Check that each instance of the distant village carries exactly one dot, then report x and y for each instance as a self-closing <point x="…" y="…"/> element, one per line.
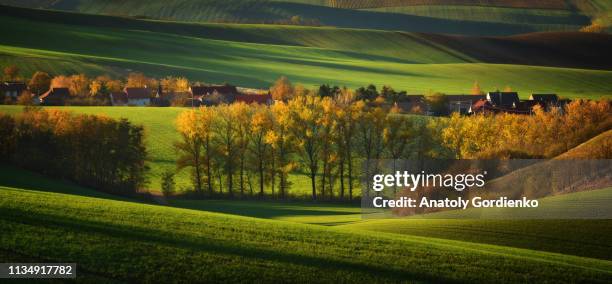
<point x="210" y="95"/>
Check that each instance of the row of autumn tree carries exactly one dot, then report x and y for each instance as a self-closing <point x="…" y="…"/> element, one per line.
<point x="93" y="151"/>
<point x="86" y="90"/>
<point x="250" y="150"/>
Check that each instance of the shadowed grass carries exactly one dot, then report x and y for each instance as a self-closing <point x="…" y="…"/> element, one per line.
<point x="129" y="241"/>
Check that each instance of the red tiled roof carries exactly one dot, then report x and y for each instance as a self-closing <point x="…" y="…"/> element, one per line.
<point x="209" y="90"/>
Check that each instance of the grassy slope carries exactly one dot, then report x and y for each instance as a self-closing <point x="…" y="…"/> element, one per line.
<point x="542" y="18"/>
<point x="130" y="241"/>
<point x="589" y="238"/>
<point x="324" y="55"/>
<point x="446" y="19"/>
<point x="501" y="226"/>
<point x="594" y="148"/>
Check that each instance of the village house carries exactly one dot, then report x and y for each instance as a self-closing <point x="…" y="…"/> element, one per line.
<point x="12" y="89"/>
<point x="462" y="103"/>
<point x="509" y="102"/>
<point x="162" y="99"/>
<point x="487" y="107"/>
<point x="138" y="96"/>
<point x="118" y="98"/>
<point x="213" y="94"/>
<point x="503" y="100"/>
<point x="548" y="101"/>
<point x="498" y="102"/>
<point x="544" y="98"/>
<point x="55" y="97"/>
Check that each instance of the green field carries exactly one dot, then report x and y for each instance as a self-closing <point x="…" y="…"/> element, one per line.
<point x="439" y="17"/>
<point x="542" y="19"/>
<point x="547" y="227"/>
<point x="128" y="241"/>
<point x="256" y="55"/>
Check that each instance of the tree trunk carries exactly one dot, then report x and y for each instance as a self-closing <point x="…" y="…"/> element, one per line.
<point x="349" y="160"/>
<point x="261" y="177"/>
<point x="198" y="174"/>
<point x="323" y="178"/>
<point x="313" y="182"/>
<point x="342" y="179"/>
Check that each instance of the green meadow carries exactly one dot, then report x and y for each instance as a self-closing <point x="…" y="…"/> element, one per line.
<point x="437" y="17"/>
<point x="123" y="240"/>
<point x="256" y="55"/>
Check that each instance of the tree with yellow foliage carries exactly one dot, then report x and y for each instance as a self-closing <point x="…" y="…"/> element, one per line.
<point x="329" y="153"/>
<point x="282" y="90"/>
<point x="476" y="90"/>
<point x="227" y="138"/>
<point x="138" y="80"/>
<point x="190" y="147"/>
<point x="242" y="120"/>
<point x="348" y="113"/>
<point x="79" y="84"/>
<point x="261" y="124"/>
<point x="61" y="81"/>
<point x="307" y="115"/>
<point x="282" y="146"/>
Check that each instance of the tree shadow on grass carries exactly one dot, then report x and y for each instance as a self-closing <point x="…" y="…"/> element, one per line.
<point x="11" y="176"/>
<point x="215" y="246"/>
<point x="266" y="209"/>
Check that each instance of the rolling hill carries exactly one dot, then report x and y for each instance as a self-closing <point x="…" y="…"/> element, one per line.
<point x="598" y="147"/>
<point x="127" y="241"/>
<point x="499" y="17"/>
<point x="256" y="55"/>
<point x="566" y="233"/>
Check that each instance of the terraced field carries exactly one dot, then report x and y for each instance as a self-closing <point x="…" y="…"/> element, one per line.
<point x="127" y="241"/>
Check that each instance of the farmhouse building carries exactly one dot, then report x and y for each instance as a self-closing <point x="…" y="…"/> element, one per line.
<point x="544" y="98"/>
<point x="54" y="97"/>
<point x="481" y="106"/>
<point x="462" y="103"/>
<point x="118" y="98"/>
<point x="224" y="93"/>
<point x="11" y="89"/>
<point x="503" y="100"/>
<point x="547" y="101"/>
<point x="508" y="102"/>
<point x="138" y="96"/>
